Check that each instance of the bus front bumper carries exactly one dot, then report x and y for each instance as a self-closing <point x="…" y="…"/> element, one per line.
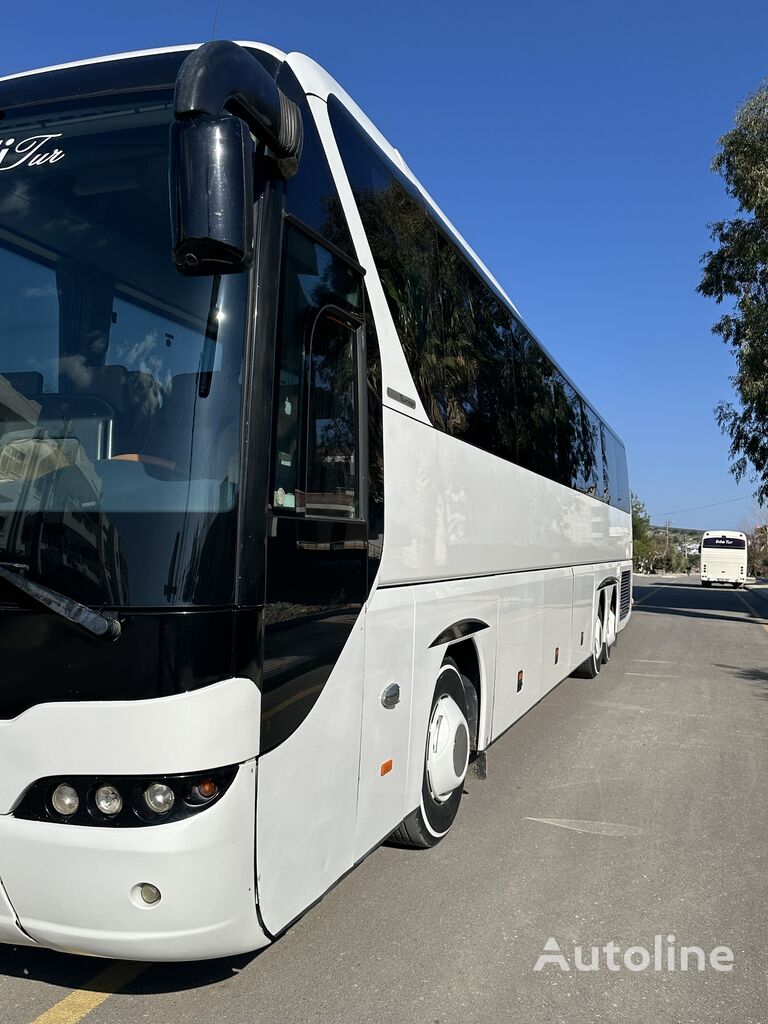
<point x="77" y="888"/>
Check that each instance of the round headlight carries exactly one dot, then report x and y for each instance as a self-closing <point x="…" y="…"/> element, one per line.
<point x="65" y="800"/>
<point x="159" y="798"/>
<point x="108" y="800"/>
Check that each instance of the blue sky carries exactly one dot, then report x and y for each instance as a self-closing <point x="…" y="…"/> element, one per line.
<point x="569" y="143"/>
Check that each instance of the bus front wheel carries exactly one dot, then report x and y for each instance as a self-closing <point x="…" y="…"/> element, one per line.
<point x="445" y="764"/>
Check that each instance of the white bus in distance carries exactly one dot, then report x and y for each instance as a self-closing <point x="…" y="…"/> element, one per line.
<point x="723" y="557"/>
<point x="296" y="514"/>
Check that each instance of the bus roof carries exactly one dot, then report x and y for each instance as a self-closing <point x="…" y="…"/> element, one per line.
<point x="724" y="533"/>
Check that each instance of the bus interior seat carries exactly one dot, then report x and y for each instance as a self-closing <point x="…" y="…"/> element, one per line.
<point x="170" y="429"/>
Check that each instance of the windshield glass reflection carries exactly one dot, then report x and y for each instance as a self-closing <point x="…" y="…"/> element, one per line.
<point x="120" y="380"/>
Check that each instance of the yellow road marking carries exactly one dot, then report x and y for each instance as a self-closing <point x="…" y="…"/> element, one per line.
<point x="82" y="1001"/>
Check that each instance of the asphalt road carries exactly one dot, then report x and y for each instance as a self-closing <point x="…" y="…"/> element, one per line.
<point x="618" y="809"/>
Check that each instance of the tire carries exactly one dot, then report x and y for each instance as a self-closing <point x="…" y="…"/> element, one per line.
<point x="610" y="631"/>
<point x="590" y="668"/>
<point x="432" y="819"/>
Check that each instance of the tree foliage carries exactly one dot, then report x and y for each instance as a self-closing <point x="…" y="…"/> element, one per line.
<point x="643" y="548"/>
<point x="738" y="269"/>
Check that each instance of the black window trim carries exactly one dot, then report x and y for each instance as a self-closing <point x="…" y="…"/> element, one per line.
<point x="357" y="325"/>
<point x="316" y="236"/>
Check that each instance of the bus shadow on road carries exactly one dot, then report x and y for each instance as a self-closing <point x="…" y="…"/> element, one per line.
<point x="757" y="676"/>
<point x="695" y="613"/>
<point x="70" y="972"/>
<point x="697" y="602"/>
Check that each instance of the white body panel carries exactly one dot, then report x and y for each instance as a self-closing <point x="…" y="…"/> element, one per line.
<point x="70" y="887"/>
<point x="10" y="930"/>
<point x="207" y="728"/>
<point x="307" y="797"/>
<point x="386" y="732"/>
<point x="455" y="511"/>
<point x="726" y="564"/>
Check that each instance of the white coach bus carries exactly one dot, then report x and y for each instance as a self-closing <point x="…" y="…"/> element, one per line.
<point x="723" y="557"/>
<point x="296" y="514"/>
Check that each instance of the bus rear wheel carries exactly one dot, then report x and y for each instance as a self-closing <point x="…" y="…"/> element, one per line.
<point x="610" y="637"/>
<point x="446" y="759"/>
<point x="590" y="668"/>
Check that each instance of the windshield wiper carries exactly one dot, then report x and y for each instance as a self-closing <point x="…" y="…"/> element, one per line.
<point x="98" y="625"/>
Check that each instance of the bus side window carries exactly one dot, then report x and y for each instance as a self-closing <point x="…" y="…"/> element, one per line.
<point x="593" y="453"/>
<point x="332" y="449"/>
<point x="316" y="362"/>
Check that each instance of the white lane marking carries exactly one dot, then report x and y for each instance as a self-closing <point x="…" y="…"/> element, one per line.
<point x="587" y="782"/>
<point x="596" y="828"/>
<point x="618" y="707"/>
<point x="650" y="675"/>
<point x="651" y="661"/>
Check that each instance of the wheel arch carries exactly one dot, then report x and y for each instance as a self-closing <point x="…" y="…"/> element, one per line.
<point x="467" y="657"/>
<point x="601" y="590"/>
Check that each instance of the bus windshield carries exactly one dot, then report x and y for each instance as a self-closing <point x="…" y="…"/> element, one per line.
<point x="120" y="380"/>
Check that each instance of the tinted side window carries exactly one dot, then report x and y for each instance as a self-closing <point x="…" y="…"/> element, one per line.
<point x="536" y="447"/>
<point x="621" y="497"/>
<point x="332" y="485"/>
<point x="591" y="426"/>
<point x="610" y="466"/>
<point x="494" y="425"/>
<point x="479" y="372"/>
<point x="404" y="244"/>
<point x="311" y="195"/>
<point x="313" y="278"/>
<point x="568" y="427"/>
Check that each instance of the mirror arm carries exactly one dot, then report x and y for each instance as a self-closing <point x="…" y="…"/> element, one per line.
<point x="221" y="75"/>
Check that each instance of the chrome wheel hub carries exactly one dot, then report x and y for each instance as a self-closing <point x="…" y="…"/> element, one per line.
<point x="447" y="749"/>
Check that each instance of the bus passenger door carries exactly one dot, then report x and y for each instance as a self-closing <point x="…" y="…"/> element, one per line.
<point x="313" y="637"/>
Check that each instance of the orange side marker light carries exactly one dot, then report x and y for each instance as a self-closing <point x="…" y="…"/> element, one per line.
<point x="386" y="767"/>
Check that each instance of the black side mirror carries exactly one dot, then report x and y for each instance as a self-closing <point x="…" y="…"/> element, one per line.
<point x="211" y="183"/>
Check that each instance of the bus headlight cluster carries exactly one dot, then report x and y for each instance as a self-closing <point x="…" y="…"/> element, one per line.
<point x="125" y="801"/>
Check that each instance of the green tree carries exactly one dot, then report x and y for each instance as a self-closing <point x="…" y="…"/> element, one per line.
<point x="738" y="268"/>
<point x="643" y="546"/>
